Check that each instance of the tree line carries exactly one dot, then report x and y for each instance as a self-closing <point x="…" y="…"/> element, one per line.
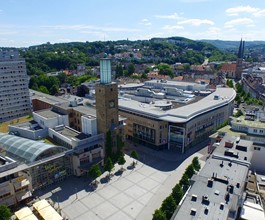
<point x="55" y="57"/>
<point x="170" y="203"/>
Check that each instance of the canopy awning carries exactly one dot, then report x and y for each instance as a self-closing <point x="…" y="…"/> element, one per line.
<point x="41" y="204"/>
<point x="49" y="213"/>
<point x="23" y="213"/>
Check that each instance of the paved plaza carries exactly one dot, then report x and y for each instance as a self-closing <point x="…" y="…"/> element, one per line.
<point x="134" y="194"/>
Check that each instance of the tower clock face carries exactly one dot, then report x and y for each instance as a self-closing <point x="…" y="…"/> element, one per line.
<point x="111" y="104"/>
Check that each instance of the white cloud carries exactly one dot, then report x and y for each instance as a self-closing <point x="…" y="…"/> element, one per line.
<point x="241" y="9"/>
<point x="100" y="35"/>
<point x="8" y="32"/>
<point x="238" y="22"/>
<point x="196" y="22"/>
<point x="172" y="27"/>
<point x="174" y="16"/>
<point x="259" y="13"/>
<point x="145" y="22"/>
<point x="89" y="27"/>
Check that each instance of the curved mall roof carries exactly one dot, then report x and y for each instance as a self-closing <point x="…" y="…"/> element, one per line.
<point x="26" y="150"/>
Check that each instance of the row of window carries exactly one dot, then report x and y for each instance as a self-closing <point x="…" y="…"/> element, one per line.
<point x="11" y="66"/>
<point x="256" y="131"/>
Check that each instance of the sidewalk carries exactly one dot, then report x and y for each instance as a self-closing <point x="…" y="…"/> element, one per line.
<point x="133" y="195"/>
<point x="166" y="188"/>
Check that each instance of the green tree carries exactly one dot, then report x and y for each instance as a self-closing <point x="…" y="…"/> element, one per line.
<point x="159" y="215"/>
<point x="120" y="145"/>
<point x="5" y="213"/>
<point x="94" y="171"/>
<point x="144" y="76"/>
<point x="165" y="69"/>
<point x="186" y="67"/>
<point x="147" y="70"/>
<point x="177" y="193"/>
<point x="168" y="206"/>
<point x="43" y="89"/>
<point x="238" y="113"/>
<point x="54" y="89"/>
<point x="119" y="70"/>
<point x="134" y="154"/>
<point x="229" y="83"/>
<point x="108" y="165"/>
<point x="121" y="160"/>
<point x="196" y="164"/>
<point x="62" y="77"/>
<point x="190" y="171"/>
<point x="184" y="181"/>
<point x="239" y="87"/>
<point x="131" y="69"/>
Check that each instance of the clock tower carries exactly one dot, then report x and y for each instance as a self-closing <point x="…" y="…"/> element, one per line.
<point x="107" y="101"/>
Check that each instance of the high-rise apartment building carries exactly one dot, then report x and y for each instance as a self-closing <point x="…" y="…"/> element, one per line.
<point x="14" y="92"/>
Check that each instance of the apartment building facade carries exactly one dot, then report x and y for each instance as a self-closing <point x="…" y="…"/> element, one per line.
<point x="14" y="93"/>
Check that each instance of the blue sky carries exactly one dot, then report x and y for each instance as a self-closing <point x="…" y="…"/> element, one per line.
<point x="32" y="22"/>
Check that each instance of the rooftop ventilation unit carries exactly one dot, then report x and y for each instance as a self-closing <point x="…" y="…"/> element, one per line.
<point x="193" y="211"/>
<point x="205" y="199"/>
<point x="210" y="183"/>
<point x="193" y="197"/>
<point x="217" y="192"/>
<point x="216" y="97"/>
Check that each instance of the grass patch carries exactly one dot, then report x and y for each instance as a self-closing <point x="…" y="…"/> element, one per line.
<point x="48" y="140"/>
<point x="4" y="125"/>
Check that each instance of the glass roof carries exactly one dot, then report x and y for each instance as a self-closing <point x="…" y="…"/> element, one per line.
<point x="26" y="150"/>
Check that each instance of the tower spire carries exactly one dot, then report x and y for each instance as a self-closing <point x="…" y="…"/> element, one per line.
<point x="241" y="49"/>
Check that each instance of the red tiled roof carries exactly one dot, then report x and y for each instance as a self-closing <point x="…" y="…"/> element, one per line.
<point x="229" y="67"/>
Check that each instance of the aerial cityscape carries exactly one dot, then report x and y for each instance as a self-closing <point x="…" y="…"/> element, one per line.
<point x="141" y="110"/>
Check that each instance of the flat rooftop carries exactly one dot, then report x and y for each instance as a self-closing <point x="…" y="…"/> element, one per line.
<point x="255" y="124"/>
<point x="130" y="85"/>
<point x="174" y="83"/>
<point x="183" y="113"/>
<point x="243" y="150"/>
<point x="29" y="125"/>
<point x="48" y="113"/>
<point x="227" y="129"/>
<point x="216" y="191"/>
<point x="71" y="133"/>
<point x="47" y="98"/>
<point x="86" y="110"/>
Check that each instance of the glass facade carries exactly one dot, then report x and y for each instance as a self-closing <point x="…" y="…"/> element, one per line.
<point x="176" y="138"/>
<point x="44" y="174"/>
<point x="105" y="71"/>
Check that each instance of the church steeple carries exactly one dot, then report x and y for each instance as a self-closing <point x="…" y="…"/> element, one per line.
<point x="239" y="61"/>
<point x="241" y="49"/>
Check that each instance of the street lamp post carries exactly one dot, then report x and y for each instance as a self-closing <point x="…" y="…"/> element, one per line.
<point x="76" y="193"/>
<point x="58" y="202"/>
